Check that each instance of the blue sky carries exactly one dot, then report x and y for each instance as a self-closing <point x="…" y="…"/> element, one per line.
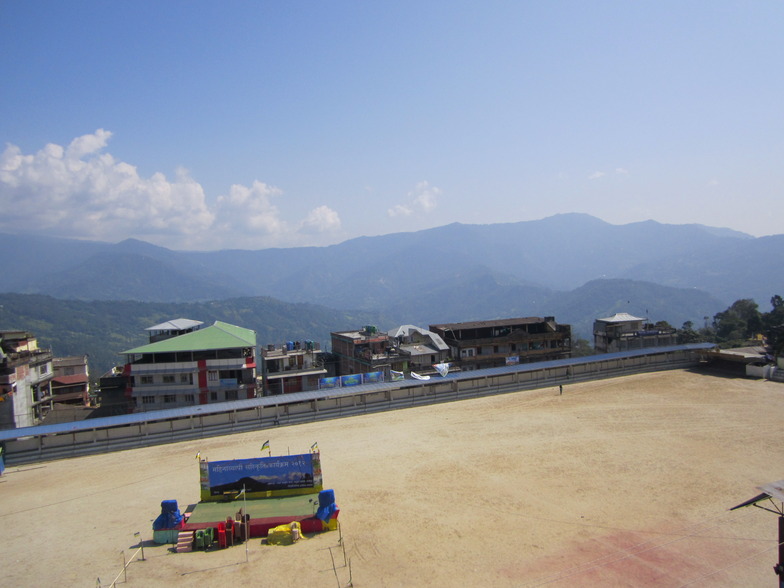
<point x="209" y="125"/>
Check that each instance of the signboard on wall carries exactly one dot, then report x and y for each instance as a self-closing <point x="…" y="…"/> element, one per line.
<point x="333" y="382"/>
<point x="261" y="477"/>
<point x="350" y="380"/>
<point x="372" y="377"/>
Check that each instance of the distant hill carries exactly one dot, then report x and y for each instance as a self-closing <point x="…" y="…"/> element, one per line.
<point x="103" y="329"/>
<point x="562" y="252"/>
<point x="87" y="296"/>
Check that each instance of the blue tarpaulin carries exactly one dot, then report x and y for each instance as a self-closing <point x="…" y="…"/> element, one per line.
<point x="170" y="517"/>
<point x="327" y="505"/>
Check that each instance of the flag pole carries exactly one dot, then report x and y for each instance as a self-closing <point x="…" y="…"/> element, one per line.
<point x="245" y="525"/>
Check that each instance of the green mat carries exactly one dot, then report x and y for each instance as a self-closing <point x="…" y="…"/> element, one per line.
<point x="266" y="508"/>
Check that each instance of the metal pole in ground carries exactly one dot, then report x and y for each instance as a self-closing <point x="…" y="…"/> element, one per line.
<point x="141" y="543"/>
<point x="246" y="526"/>
<point x="779" y="569"/>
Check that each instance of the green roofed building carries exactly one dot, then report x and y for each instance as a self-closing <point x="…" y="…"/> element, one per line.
<point x="185" y="364"/>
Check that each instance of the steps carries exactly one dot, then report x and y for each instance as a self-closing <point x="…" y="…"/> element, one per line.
<point x="184" y="542"/>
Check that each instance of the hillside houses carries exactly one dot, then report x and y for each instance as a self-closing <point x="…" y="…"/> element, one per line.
<point x="186" y="363"/>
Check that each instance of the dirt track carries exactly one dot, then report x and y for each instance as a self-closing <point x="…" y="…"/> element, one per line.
<point x="621" y="482"/>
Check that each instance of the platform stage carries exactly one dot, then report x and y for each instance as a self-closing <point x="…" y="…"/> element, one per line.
<point x="265" y="513"/>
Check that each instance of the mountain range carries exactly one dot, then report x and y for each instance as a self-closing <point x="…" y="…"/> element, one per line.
<point x="571" y="266"/>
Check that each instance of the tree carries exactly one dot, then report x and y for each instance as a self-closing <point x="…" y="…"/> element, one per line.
<point x="687" y="334"/>
<point x="773" y="326"/>
<point x="582" y="348"/>
<point x="739" y="323"/>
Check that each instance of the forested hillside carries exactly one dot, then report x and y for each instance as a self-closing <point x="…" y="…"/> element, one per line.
<point x="103" y="329"/>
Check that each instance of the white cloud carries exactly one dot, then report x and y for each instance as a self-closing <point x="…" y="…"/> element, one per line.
<point x="249" y="209"/>
<point x="80" y="191"/>
<point x="596" y="175"/>
<point x="621" y="171"/>
<point x="321" y="219"/>
<point x="423" y="198"/>
<point x="399" y="210"/>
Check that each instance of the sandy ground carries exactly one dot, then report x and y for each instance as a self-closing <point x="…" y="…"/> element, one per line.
<point x="621" y="482"/>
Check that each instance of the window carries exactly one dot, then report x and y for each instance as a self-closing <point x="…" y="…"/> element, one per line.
<point x="43" y="369"/>
<point x="231" y="395"/>
<point x="168" y="379"/>
<point x="190" y="399"/>
<point x="186" y="378"/>
<point x="213" y="397"/>
<point x="169" y="398"/>
<point x="145" y="380"/>
<point x="212" y="376"/>
<point x="495" y="348"/>
<point x="148" y="399"/>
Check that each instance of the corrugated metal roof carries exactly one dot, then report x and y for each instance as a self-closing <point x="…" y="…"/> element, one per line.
<point x="405" y="331"/>
<point x="71" y="379"/>
<point x="180" y="324"/>
<point x="218" y="336"/>
<point x="267" y="401"/>
<point x="490" y="323"/>
<point x="620" y="317"/>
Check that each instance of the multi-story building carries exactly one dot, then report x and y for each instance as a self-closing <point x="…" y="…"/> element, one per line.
<point x="25" y="380"/>
<point x="295" y="366"/>
<point x="422" y="349"/>
<point x="187" y="366"/>
<point x="71" y="381"/>
<point x="624" y="332"/>
<point x="486" y="344"/>
<point x="365" y="351"/>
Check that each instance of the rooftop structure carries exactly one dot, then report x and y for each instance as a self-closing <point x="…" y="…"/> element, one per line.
<point x="623" y="331"/>
<point x="365" y="351"/>
<point x="173" y="328"/>
<point x="423" y="348"/>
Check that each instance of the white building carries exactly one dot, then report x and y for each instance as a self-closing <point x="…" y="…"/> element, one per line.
<point x="624" y="332"/>
<point x="25" y="380"/>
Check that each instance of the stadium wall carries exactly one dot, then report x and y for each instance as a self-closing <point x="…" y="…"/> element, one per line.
<point x="282" y="410"/>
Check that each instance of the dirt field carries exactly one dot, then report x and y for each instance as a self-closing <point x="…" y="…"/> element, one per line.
<point x="621" y="482"/>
